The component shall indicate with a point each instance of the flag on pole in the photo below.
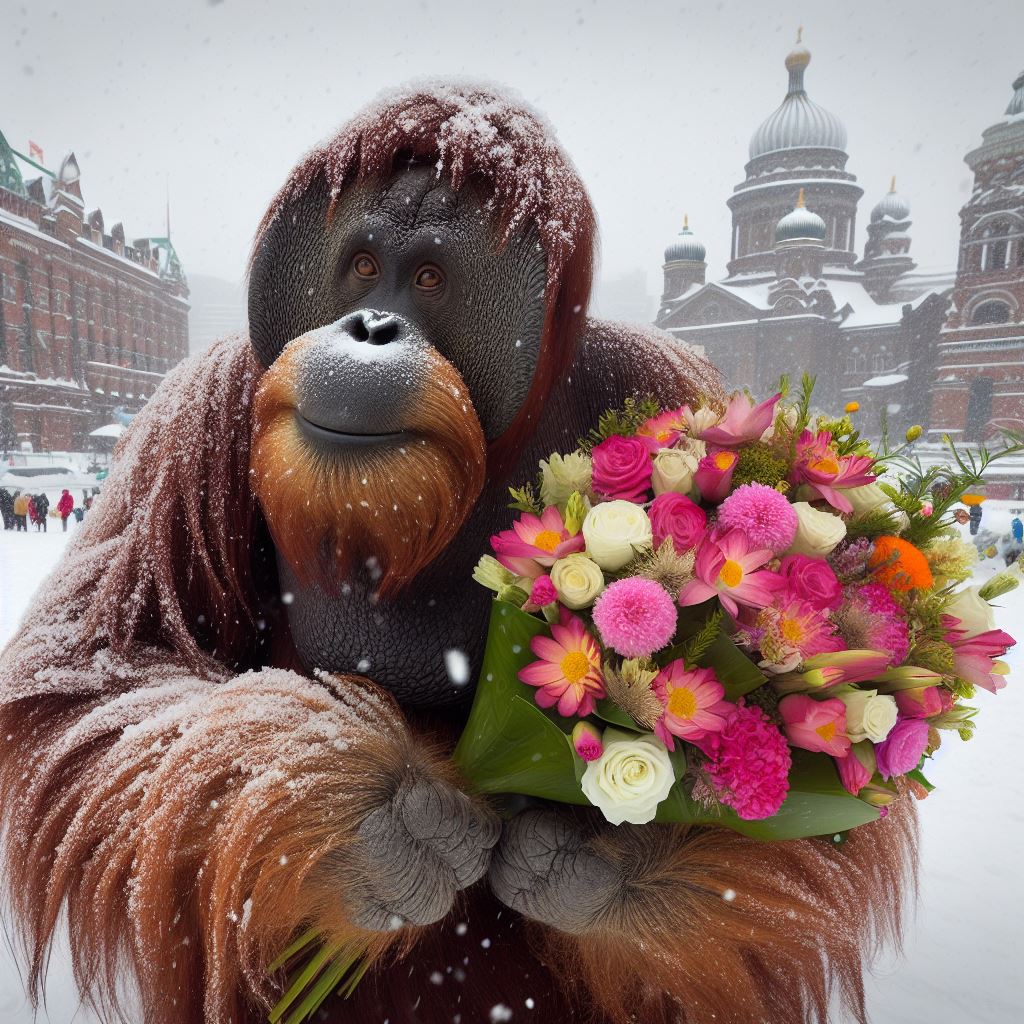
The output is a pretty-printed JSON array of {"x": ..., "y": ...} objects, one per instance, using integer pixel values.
[{"x": 35, "y": 151}]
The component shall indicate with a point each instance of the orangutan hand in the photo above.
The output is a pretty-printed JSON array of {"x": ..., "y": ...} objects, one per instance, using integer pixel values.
[
  {"x": 418, "y": 849},
  {"x": 550, "y": 867}
]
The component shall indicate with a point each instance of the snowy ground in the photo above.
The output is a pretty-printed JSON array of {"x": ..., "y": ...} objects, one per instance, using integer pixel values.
[{"x": 961, "y": 964}]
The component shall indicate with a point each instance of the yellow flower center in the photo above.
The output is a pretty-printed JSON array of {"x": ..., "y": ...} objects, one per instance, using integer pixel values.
[
  {"x": 826, "y": 464},
  {"x": 575, "y": 665},
  {"x": 682, "y": 703},
  {"x": 547, "y": 540},
  {"x": 731, "y": 573},
  {"x": 826, "y": 731},
  {"x": 723, "y": 460},
  {"x": 792, "y": 631}
]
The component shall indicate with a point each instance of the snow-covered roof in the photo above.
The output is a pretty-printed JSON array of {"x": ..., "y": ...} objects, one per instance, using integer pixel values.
[{"x": 886, "y": 381}]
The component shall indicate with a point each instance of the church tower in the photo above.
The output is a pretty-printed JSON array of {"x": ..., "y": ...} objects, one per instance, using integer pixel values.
[
  {"x": 800, "y": 144},
  {"x": 685, "y": 264},
  {"x": 887, "y": 250}
]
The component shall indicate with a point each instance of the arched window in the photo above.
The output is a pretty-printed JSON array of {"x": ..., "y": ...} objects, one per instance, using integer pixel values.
[{"x": 992, "y": 312}]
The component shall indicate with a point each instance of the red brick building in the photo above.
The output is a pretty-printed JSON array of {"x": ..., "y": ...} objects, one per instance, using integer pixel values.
[
  {"x": 979, "y": 381},
  {"x": 89, "y": 322}
]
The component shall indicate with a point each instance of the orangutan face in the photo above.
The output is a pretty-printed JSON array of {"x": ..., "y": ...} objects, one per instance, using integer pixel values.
[{"x": 400, "y": 338}]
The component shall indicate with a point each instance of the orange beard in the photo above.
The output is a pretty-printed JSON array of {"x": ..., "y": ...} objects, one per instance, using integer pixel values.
[{"x": 390, "y": 509}]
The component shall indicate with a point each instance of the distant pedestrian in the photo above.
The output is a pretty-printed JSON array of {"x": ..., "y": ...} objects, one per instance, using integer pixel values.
[
  {"x": 1017, "y": 529},
  {"x": 21, "y": 502},
  {"x": 79, "y": 513},
  {"x": 65, "y": 506},
  {"x": 42, "y": 511},
  {"x": 7, "y": 508},
  {"x": 975, "y": 517}
]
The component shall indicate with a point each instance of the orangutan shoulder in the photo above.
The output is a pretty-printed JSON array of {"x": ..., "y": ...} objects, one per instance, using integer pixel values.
[{"x": 616, "y": 361}]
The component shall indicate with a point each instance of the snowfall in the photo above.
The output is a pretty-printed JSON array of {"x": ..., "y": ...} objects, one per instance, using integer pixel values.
[{"x": 961, "y": 961}]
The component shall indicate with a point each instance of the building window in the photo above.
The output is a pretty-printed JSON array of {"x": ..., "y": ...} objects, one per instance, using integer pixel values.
[
  {"x": 991, "y": 312},
  {"x": 979, "y": 409},
  {"x": 997, "y": 253},
  {"x": 26, "y": 340}
]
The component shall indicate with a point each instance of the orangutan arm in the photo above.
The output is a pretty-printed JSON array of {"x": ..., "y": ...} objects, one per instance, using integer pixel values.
[
  {"x": 191, "y": 826},
  {"x": 655, "y": 917}
]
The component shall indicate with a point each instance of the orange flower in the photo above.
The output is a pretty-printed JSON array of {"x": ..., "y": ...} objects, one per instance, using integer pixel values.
[
  {"x": 899, "y": 565},
  {"x": 972, "y": 499}
]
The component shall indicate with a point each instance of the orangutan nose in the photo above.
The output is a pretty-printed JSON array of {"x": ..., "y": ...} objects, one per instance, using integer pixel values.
[{"x": 373, "y": 326}]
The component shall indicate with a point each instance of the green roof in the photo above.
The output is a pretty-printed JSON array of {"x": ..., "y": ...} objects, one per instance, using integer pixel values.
[{"x": 10, "y": 175}]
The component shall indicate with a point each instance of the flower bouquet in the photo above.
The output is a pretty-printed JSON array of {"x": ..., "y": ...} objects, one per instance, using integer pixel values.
[{"x": 743, "y": 616}]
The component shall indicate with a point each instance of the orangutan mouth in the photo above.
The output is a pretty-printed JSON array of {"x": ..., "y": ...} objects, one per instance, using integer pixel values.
[{"x": 316, "y": 432}]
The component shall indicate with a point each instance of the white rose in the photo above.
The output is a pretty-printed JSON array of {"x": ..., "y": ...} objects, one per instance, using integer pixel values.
[
  {"x": 613, "y": 530},
  {"x": 674, "y": 468},
  {"x": 868, "y": 715},
  {"x": 817, "y": 533},
  {"x": 630, "y": 779},
  {"x": 865, "y": 498},
  {"x": 973, "y": 611},
  {"x": 578, "y": 580},
  {"x": 563, "y": 474}
]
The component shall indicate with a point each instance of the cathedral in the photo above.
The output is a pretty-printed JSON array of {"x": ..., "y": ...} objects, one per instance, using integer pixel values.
[{"x": 942, "y": 350}]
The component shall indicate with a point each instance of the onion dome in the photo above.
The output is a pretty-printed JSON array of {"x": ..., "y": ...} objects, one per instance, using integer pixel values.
[
  {"x": 798, "y": 123},
  {"x": 891, "y": 205},
  {"x": 686, "y": 246},
  {"x": 800, "y": 223},
  {"x": 1017, "y": 103}
]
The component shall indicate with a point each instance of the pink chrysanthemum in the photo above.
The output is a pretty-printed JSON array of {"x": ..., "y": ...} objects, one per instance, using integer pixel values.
[
  {"x": 635, "y": 617},
  {"x": 748, "y": 763},
  {"x": 872, "y": 619},
  {"x": 764, "y": 514}
]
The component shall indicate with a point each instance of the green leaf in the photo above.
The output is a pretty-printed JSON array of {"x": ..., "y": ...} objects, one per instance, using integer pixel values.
[
  {"x": 509, "y": 744},
  {"x": 816, "y": 805},
  {"x": 608, "y": 711}
]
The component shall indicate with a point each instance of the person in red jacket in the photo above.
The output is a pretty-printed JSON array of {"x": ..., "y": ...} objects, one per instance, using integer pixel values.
[{"x": 64, "y": 507}]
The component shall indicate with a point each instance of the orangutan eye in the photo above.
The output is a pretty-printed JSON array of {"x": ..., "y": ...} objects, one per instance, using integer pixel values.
[
  {"x": 429, "y": 279},
  {"x": 365, "y": 266}
]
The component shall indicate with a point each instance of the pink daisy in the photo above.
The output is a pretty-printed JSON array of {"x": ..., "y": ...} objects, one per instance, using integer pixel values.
[
  {"x": 765, "y": 515},
  {"x": 822, "y": 470},
  {"x": 535, "y": 542},
  {"x": 729, "y": 568},
  {"x": 693, "y": 700},
  {"x": 663, "y": 430},
  {"x": 568, "y": 672}
]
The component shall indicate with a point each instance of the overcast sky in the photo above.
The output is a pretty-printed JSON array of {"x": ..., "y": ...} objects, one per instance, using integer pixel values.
[{"x": 655, "y": 102}]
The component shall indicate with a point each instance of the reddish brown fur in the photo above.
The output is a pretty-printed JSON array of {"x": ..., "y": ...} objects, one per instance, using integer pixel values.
[
  {"x": 401, "y": 507},
  {"x": 804, "y": 918}
]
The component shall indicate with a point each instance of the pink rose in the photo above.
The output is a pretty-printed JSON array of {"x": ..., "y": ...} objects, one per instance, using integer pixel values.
[
  {"x": 901, "y": 751},
  {"x": 812, "y": 579},
  {"x": 622, "y": 468},
  {"x": 676, "y": 516}
]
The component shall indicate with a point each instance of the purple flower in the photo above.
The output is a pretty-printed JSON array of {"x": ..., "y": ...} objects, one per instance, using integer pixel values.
[{"x": 901, "y": 751}]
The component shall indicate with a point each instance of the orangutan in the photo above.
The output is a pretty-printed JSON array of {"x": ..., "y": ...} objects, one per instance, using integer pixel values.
[{"x": 238, "y": 724}]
